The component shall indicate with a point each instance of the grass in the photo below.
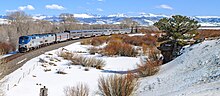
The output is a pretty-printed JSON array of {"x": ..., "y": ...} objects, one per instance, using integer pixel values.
[
  {"x": 150, "y": 65},
  {"x": 94, "y": 50},
  {"x": 118, "y": 85},
  {"x": 77, "y": 59},
  {"x": 85, "y": 42},
  {"x": 208, "y": 33},
  {"x": 79, "y": 90},
  {"x": 96, "y": 41},
  {"x": 119, "y": 48}
]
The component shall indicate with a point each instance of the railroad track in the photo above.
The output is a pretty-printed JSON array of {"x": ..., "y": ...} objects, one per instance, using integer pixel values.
[{"x": 14, "y": 62}]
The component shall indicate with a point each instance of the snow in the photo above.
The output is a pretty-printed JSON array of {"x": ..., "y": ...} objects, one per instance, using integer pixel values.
[
  {"x": 83, "y": 16},
  {"x": 195, "y": 73},
  {"x": 27, "y": 80},
  {"x": 207, "y": 16},
  {"x": 152, "y": 15},
  {"x": 118, "y": 15},
  {"x": 6, "y": 55},
  {"x": 4, "y": 21},
  {"x": 138, "y": 34},
  {"x": 214, "y": 27}
]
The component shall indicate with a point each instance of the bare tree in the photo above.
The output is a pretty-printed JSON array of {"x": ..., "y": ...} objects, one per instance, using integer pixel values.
[
  {"x": 21, "y": 20},
  {"x": 68, "y": 20},
  {"x": 129, "y": 23}
]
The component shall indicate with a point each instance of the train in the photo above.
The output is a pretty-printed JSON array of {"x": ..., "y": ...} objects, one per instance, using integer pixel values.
[{"x": 31, "y": 42}]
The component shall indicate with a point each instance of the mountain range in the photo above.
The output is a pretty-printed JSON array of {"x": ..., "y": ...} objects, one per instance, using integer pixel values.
[{"x": 142, "y": 19}]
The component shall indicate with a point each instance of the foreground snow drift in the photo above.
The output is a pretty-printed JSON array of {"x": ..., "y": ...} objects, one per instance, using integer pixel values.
[
  {"x": 195, "y": 73},
  {"x": 27, "y": 80}
]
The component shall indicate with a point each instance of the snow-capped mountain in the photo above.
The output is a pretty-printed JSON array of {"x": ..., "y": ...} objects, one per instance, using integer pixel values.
[
  {"x": 142, "y": 18},
  {"x": 117, "y": 15}
]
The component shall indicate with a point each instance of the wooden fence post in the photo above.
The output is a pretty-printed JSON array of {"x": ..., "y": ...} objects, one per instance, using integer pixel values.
[{"x": 43, "y": 91}]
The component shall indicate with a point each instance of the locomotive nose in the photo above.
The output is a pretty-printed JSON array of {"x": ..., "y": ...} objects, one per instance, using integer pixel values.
[{"x": 22, "y": 48}]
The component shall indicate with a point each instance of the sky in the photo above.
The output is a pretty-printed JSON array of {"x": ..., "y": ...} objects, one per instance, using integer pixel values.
[{"x": 108, "y": 7}]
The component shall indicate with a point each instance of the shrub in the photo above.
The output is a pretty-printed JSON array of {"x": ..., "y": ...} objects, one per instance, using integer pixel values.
[
  {"x": 85, "y": 42},
  {"x": 65, "y": 54},
  {"x": 79, "y": 90},
  {"x": 207, "y": 34},
  {"x": 5, "y": 47},
  {"x": 93, "y": 50},
  {"x": 99, "y": 64},
  {"x": 119, "y": 48},
  {"x": 96, "y": 41},
  {"x": 80, "y": 60},
  {"x": 118, "y": 85},
  {"x": 150, "y": 65},
  {"x": 135, "y": 40},
  {"x": 77, "y": 59}
]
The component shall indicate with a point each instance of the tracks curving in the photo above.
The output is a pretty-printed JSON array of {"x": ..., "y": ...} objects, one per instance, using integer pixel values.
[{"x": 15, "y": 61}]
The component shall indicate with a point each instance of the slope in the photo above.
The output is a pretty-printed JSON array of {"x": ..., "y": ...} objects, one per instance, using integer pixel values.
[{"x": 195, "y": 73}]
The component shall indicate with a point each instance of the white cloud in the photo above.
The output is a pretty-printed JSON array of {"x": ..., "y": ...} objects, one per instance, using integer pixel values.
[
  {"x": 163, "y": 6},
  {"x": 55, "y": 6},
  {"x": 28, "y": 7},
  {"x": 22, "y": 8},
  {"x": 99, "y": 9},
  {"x": 100, "y": 0}
]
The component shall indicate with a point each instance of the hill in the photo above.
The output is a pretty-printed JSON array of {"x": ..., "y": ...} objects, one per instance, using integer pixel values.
[{"x": 195, "y": 73}]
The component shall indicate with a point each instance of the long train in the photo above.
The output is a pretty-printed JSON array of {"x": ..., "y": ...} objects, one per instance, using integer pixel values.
[{"x": 31, "y": 42}]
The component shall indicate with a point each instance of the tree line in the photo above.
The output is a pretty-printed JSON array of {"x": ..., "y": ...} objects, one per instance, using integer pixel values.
[{"x": 21, "y": 24}]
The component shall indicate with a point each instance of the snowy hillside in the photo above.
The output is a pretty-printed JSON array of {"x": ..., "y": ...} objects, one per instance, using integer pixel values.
[{"x": 195, "y": 73}]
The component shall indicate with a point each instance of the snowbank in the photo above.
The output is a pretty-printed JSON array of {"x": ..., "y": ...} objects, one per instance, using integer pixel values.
[{"x": 195, "y": 73}]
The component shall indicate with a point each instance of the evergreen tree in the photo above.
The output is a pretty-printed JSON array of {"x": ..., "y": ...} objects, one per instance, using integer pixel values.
[{"x": 177, "y": 28}]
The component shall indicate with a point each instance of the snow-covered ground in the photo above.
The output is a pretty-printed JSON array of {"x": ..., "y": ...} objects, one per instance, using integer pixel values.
[
  {"x": 195, "y": 73},
  {"x": 27, "y": 80}
]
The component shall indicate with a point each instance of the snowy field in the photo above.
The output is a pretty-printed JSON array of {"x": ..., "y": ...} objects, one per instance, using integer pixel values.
[
  {"x": 195, "y": 73},
  {"x": 27, "y": 80}
]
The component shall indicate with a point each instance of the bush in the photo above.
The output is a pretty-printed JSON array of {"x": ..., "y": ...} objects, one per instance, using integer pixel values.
[
  {"x": 93, "y": 50},
  {"x": 65, "y": 54},
  {"x": 118, "y": 85},
  {"x": 79, "y": 90},
  {"x": 85, "y": 42},
  {"x": 93, "y": 62},
  {"x": 80, "y": 60},
  {"x": 119, "y": 48},
  {"x": 135, "y": 40},
  {"x": 207, "y": 34},
  {"x": 150, "y": 65},
  {"x": 5, "y": 48},
  {"x": 96, "y": 41}
]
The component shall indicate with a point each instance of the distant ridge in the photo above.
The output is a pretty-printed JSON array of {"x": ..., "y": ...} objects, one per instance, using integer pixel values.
[{"x": 143, "y": 18}]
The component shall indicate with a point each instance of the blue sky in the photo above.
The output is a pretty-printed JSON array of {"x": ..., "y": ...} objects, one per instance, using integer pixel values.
[{"x": 107, "y": 7}]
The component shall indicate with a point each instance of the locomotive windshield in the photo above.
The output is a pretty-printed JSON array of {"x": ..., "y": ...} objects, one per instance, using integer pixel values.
[{"x": 24, "y": 40}]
